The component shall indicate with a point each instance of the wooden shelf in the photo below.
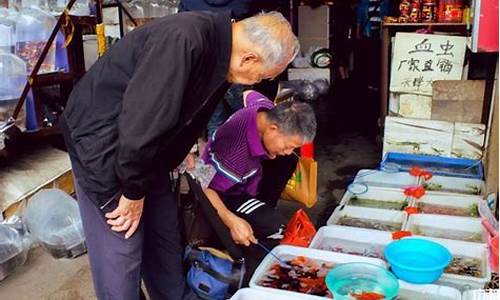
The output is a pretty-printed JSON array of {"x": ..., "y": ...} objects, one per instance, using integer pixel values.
[
  {"x": 44, "y": 132},
  {"x": 51, "y": 78},
  {"x": 423, "y": 24}
]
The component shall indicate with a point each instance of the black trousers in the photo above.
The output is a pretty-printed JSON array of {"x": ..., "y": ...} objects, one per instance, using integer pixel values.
[
  {"x": 275, "y": 174},
  {"x": 154, "y": 253}
]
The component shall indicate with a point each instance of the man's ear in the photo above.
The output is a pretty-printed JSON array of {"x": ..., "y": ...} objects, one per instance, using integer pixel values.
[
  {"x": 273, "y": 127},
  {"x": 249, "y": 58}
]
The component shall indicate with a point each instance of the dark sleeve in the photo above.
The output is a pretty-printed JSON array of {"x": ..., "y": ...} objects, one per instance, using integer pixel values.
[{"x": 151, "y": 105}]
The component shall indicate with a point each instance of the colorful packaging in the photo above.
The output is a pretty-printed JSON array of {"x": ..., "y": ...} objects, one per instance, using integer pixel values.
[
  {"x": 450, "y": 11},
  {"x": 429, "y": 11}
]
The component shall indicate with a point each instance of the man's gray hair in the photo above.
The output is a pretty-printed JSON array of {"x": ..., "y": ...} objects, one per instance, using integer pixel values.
[
  {"x": 272, "y": 34},
  {"x": 294, "y": 118}
]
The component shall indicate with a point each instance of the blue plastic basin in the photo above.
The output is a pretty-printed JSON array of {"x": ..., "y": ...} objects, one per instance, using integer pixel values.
[{"x": 417, "y": 260}]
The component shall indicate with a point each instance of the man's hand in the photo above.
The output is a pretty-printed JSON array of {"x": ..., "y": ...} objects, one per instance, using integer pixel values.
[
  {"x": 190, "y": 161},
  {"x": 241, "y": 231},
  {"x": 127, "y": 216}
]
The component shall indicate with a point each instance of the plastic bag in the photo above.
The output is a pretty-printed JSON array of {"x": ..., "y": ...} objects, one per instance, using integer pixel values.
[
  {"x": 53, "y": 218},
  {"x": 323, "y": 85},
  {"x": 13, "y": 247},
  {"x": 303, "y": 89},
  {"x": 203, "y": 173},
  {"x": 300, "y": 231},
  {"x": 303, "y": 186}
]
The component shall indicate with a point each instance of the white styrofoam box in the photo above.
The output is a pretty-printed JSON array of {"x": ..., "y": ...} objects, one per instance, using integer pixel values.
[
  {"x": 455, "y": 185},
  {"x": 385, "y": 179},
  {"x": 417, "y": 136},
  {"x": 447, "y": 227},
  {"x": 464, "y": 202},
  {"x": 377, "y": 194},
  {"x": 468, "y": 140},
  {"x": 254, "y": 294},
  {"x": 373, "y": 214},
  {"x": 464, "y": 249},
  {"x": 310, "y": 74},
  {"x": 287, "y": 252},
  {"x": 409, "y": 291},
  {"x": 415, "y": 106},
  {"x": 349, "y": 239},
  {"x": 481, "y": 294}
]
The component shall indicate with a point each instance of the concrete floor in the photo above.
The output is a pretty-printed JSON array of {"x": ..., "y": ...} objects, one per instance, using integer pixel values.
[
  {"x": 43, "y": 277},
  {"x": 343, "y": 146}
]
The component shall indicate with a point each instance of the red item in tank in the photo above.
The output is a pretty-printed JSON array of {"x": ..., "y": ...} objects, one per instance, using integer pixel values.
[
  {"x": 396, "y": 235},
  {"x": 368, "y": 296},
  {"x": 427, "y": 175},
  {"x": 411, "y": 210},
  {"x": 415, "y": 191},
  {"x": 416, "y": 171}
]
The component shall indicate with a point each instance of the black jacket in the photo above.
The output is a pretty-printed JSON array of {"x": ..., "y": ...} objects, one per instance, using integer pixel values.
[{"x": 142, "y": 105}]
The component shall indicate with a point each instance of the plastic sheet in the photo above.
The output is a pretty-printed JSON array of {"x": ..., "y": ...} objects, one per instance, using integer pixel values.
[{"x": 202, "y": 172}]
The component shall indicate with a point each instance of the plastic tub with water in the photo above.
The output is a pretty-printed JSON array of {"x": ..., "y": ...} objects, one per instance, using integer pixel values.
[
  {"x": 447, "y": 227},
  {"x": 355, "y": 241},
  {"x": 417, "y": 260},
  {"x": 326, "y": 259},
  {"x": 408, "y": 291},
  {"x": 375, "y": 197},
  {"x": 385, "y": 179},
  {"x": 449, "y": 204},
  {"x": 454, "y": 185},
  {"x": 370, "y": 218}
]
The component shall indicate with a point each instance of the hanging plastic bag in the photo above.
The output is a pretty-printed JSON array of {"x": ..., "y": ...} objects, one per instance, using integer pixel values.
[
  {"x": 300, "y": 231},
  {"x": 53, "y": 218},
  {"x": 302, "y": 187}
]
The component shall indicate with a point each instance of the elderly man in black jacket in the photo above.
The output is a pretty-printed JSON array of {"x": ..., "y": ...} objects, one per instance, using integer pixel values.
[{"x": 134, "y": 116}]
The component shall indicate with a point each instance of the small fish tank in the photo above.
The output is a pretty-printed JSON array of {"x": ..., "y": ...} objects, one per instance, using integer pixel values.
[
  {"x": 437, "y": 165},
  {"x": 452, "y": 205},
  {"x": 447, "y": 227},
  {"x": 353, "y": 241},
  {"x": 454, "y": 185},
  {"x": 303, "y": 272},
  {"x": 465, "y": 266},
  {"x": 300, "y": 274},
  {"x": 375, "y": 203},
  {"x": 369, "y": 218}
]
